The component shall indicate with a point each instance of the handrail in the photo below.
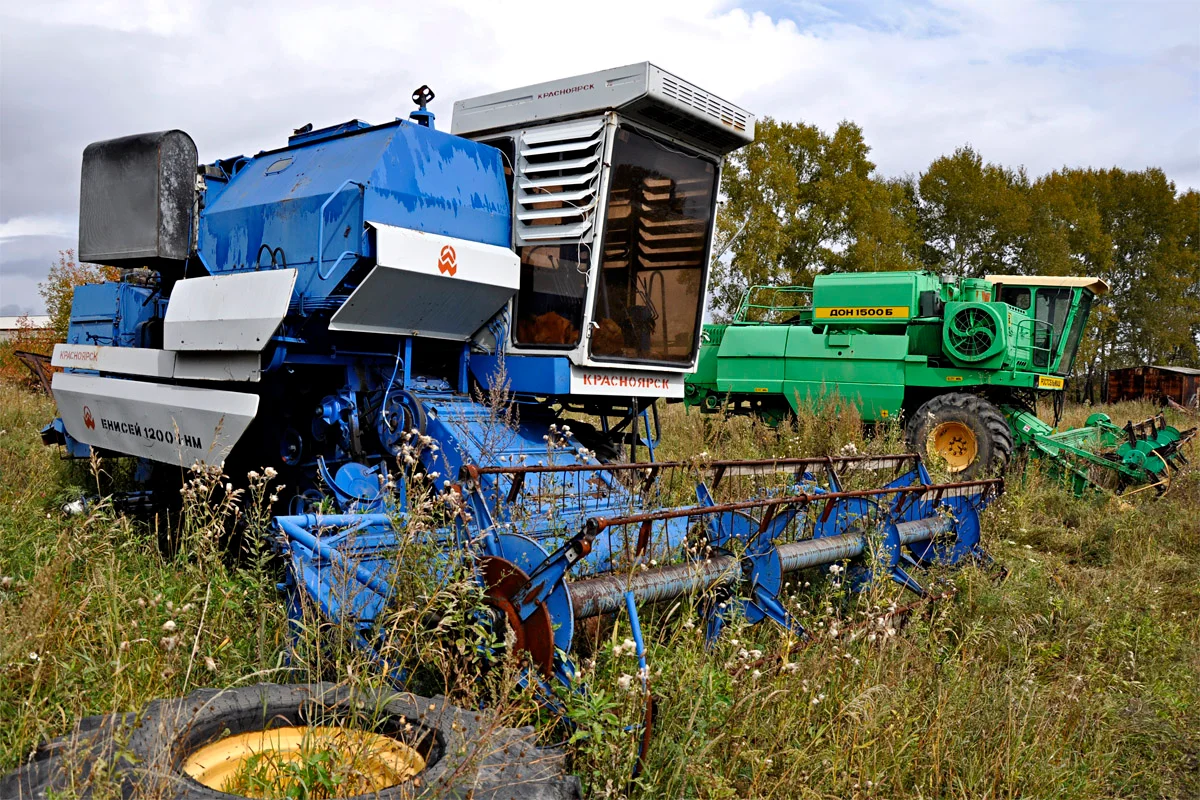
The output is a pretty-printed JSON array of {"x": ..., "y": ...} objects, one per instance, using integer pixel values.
[
  {"x": 774, "y": 305},
  {"x": 1034, "y": 322},
  {"x": 321, "y": 231}
]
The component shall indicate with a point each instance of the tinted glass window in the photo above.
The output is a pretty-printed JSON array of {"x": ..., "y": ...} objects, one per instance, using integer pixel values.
[
  {"x": 550, "y": 297},
  {"x": 549, "y": 305},
  {"x": 649, "y": 294},
  {"x": 1051, "y": 305},
  {"x": 1081, "y": 315},
  {"x": 1019, "y": 297}
]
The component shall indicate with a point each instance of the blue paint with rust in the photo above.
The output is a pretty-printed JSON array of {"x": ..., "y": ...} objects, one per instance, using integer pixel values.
[{"x": 268, "y": 213}]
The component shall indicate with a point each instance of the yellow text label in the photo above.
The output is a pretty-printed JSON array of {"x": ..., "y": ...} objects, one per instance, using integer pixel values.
[{"x": 861, "y": 312}]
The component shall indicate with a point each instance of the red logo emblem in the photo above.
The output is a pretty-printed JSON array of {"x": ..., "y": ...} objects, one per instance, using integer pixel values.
[
  {"x": 88, "y": 419},
  {"x": 448, "y": 261}
]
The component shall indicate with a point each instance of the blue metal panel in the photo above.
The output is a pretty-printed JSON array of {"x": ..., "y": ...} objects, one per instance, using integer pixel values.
[
  {"x": 526, "y": 374},
  {"x": 400, "y": 174},
  {"x": 111, "y": 314}
]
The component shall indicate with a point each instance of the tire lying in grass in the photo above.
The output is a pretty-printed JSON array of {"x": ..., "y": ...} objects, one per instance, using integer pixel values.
[
  {"x": 259, "y": 740},
  {"x": 964, "y": 430}
]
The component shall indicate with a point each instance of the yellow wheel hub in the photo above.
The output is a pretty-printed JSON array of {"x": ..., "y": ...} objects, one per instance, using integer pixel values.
[
  {"x": 266, "y": 763},
  {"x": 956, "y": 443}
]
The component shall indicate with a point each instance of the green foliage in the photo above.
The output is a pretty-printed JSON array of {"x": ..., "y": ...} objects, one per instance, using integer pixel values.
[
  {"x": 310, "y": 774},
  {"x": 973, "y": 216},
  {"x": 799, "y": 201},
  {"x": 1133, "y": 230}
]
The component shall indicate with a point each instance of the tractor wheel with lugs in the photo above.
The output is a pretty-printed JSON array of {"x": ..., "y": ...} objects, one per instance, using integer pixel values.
[
  {"x": 965, "y": 431},
  {"x": 274, "y": 740}
]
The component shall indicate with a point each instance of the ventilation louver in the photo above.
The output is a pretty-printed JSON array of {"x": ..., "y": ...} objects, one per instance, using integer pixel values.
[
  {"x": 704, "y": 102},
  {"x": 558, "y": 182}
]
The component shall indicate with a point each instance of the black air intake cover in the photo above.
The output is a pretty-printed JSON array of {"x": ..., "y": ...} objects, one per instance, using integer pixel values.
[{"x": 135, "y": 199}]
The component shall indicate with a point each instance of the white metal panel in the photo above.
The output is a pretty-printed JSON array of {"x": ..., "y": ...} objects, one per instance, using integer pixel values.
[
  {"x": 151, "y": 363},
  {"x": 227, "y": 312},
  {"x": 218, "y": 367},
  {"x": 578, "y": 129},
  {"x": 425, "y": 284},
  {"x": 642, "y": 92},
  {"x": 596, "y": 92},
  {"x": 172, "y": 424},
  {"x": 145, "y": 361},
  {"x": 625, "y": 382}
]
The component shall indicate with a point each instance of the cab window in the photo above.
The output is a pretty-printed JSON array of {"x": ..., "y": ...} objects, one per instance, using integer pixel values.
[
  {"x": 1051, "y": 306},
  {"x": 649, "y": 295},
  {"x": 1018, "y": 297}
]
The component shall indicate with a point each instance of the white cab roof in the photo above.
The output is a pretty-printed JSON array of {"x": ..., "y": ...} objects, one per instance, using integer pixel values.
[
  {"x": 643, "y": 92},
  {"x": 1098, "y": 286}
]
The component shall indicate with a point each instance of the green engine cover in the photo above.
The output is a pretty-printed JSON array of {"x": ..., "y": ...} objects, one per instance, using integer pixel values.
[{"x": 869, "y": 300}]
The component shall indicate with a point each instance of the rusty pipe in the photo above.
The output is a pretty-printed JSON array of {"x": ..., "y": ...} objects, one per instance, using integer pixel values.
[{"x": 606, "y": 594}]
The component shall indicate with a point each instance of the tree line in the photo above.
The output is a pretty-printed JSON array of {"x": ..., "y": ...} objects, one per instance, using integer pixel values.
[{"x": 799, "y": 201}]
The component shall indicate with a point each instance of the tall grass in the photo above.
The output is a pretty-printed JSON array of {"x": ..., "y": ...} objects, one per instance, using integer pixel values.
[{"x": 1077, "y": 676}]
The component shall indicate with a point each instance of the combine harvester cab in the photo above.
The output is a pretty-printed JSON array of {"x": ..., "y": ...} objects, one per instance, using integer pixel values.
[
  {"x": 964, "y": 360},
  {"x": 387, "y": 306}
]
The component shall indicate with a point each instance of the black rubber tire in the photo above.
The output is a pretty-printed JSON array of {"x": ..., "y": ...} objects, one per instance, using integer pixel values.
[
  {"x": 992, "y": 434},
  {"x": 141, "y": 755}
]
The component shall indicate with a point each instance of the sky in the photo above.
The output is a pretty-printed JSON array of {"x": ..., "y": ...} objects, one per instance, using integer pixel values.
[{"x": 1025, "y": 82}]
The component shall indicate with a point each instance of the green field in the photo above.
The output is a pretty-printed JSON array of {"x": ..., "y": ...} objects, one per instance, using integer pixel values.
[{"x": 1076, "y": 677}]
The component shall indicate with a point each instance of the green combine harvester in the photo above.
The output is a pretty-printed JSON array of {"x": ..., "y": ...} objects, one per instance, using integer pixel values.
[{"x": 963, "y": 361}]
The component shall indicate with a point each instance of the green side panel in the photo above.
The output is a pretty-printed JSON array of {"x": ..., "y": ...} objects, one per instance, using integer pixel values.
[
  {"x": 865, "y": 368},
  {"x": 706, "y": 368},
  {"x": 925, "y": 337},
  {"x": 751, "y": 359},
  {"x": 953, "y": 379},
  {"x": 706, "y": 364}
]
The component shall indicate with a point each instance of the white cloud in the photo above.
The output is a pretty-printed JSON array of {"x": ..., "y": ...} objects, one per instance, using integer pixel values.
[
  {"x": 161, "y": 17},
  {"x": 17, "y": 227},
  {"x": 1033, "y": 82}
]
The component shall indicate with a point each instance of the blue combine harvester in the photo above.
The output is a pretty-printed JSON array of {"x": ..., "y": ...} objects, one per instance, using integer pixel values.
[{"x": 376, "y": 304}]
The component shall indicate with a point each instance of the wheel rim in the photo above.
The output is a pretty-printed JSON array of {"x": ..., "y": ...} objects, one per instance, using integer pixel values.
[
  {"x": 956, "y": 443},
  {"x": 502, "y": 579},
  {"x": 256, "y": 763}
]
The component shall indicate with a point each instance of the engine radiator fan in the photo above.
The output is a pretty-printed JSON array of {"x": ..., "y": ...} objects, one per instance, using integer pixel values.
[{"x": 973, "y": 332}]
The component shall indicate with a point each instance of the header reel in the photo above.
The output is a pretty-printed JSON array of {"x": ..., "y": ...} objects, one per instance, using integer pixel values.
[{"x": 554, "y": 544}]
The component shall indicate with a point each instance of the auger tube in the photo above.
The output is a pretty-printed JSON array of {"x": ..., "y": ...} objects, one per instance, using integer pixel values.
[{"x": 606, "y": 595}]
